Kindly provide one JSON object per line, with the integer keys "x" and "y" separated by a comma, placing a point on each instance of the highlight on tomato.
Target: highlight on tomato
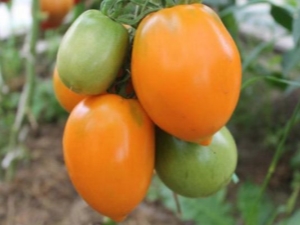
{"x": 192, "y": 170}
{"x": 186, "y": 71}
{"x": 66, "y": 98}
{"x": 55, "y": 11}
{"x": 109, "y": 152}
{"x": 92, "y": 52}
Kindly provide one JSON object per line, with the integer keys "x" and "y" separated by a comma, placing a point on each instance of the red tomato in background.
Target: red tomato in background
{"x": 56, "y": 10}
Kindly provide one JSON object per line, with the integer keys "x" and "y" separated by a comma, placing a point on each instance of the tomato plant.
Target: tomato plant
{"x": 193, "y": 170}
{"x": 56, "y": 10}
{"x": 91, "y": 53}
{"x": 109, "y": 153}
{"x": 186, "y": 71}
{"x": 66, "y": 98}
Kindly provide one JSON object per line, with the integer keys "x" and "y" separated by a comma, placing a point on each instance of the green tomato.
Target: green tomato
{"x": 192, "y": 170}
{"x": 91, "y": 53}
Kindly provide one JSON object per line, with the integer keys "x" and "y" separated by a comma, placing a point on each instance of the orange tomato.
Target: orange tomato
{"x": 56, "y": 10}
{"x": 186, "y": 71}
{"x": 66, "y": 98}
{"x": 109, "y": 153}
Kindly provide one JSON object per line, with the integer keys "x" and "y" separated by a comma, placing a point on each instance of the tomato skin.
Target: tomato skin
{"x": 186, "y": 71}
{"x": 56, "y": 11}
{"x": 109, "y": 153}
{"x": 192, "y": 170}
{"x": 95, "y": 46}
{"x": 66, "y": 98}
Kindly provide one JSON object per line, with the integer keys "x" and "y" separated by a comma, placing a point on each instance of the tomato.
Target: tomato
{"x": 56, "y": 10}
{"x": 76, "y": 1}
{"x": 66, "y": 98}
{"x": 91, "y": 53}
{"x": 186, "y": 71}
{"x": 109, "y": 153}
{"x": 192, "y": 170}
{"x": 4, "y": 0}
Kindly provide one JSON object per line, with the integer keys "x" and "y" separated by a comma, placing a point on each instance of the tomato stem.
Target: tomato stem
{"x": 28, "y": 91}
{"x": 278, "y": 153}
{"x": 235, "y": 178}
{"x": 178, "y": 207}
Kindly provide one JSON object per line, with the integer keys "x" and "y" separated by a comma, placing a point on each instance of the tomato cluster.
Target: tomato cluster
{"x": 186, "y": 73}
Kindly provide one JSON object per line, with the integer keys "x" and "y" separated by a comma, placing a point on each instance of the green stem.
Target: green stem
{"x": 188, "y": 2}
{"x": 177, "y": 203}
{"x": 291, "y": 202}
{"x": 27, "y": 93}
{"x": 280, "y": 148}
{"x": 293, "y": 198}
{"x": 2, "y": 79}
{"x": 272, "y": 78}
{"x": 278, "y": 153}
{"x": 108, "y": 221}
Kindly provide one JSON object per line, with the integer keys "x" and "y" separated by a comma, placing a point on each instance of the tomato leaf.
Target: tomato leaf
{"x": 295, "y": 161}
{"x": 291, "y": 59}
{"x": 293, "y": 220}
{"x": 253, "y": 55}
{"x": 231, "y": 24}
{"x": 282, "y": 15}
{"x": 198, "y": 210}
{"x": 277, "y": 80}
{"x": 254, "y": 211}
{"x": 296, "y": 28}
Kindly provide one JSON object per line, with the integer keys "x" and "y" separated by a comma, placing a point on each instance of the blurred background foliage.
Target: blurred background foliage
{"x": 265, "y": 123}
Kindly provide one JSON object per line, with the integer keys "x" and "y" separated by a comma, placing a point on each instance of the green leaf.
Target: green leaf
{"x": 295, "y": 161}
{"x": 254, "y": 210}
{"x": 283, "y": 16}
{"x": 277, "y": 80}
{"x": 293, "y": 220}
{"x": 296, "y": 28}
{"x": 290, "y": 60}
{"x": 253, "y": 55}
{"x": 209, "y": 211}
{"x": 231, "y": 24}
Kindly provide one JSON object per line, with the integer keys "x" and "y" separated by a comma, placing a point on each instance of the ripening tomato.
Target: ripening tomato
{"x": 192, "y": 170}
{"x": 4, "y": 1}
{"x": 76, "y": 1}
{"x": 109, "y": 153}
{"x": 56, "y": 10}
{"x": 66, "y": 98}
{"x": 91, "y": 53}
{"x": 186, "y": 71}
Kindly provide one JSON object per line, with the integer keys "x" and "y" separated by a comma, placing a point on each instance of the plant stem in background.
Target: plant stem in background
{"x": 178, "y": 207}
{"x": 278, "y": 153}
{"x": 28, "y": 91}
{"x": 280, "y": 148}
